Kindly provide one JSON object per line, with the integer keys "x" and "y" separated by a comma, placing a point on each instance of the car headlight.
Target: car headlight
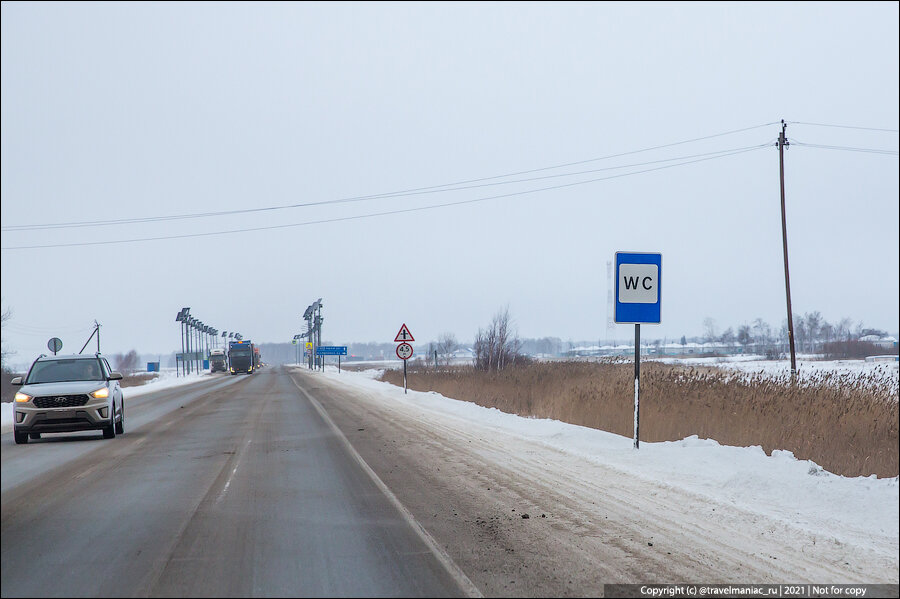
{"x": 101, "y": 393}
{"x": 22, "y": 397}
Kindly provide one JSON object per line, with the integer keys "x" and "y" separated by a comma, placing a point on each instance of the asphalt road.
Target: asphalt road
{"x": 308, "y": 484}
{"x": 232, "y": 487}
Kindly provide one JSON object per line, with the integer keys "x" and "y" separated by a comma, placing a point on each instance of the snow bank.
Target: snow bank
{"x": 862, "y": 510}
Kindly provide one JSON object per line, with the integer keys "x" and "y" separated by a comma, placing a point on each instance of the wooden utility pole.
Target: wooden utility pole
{"x": 782, "y": 142}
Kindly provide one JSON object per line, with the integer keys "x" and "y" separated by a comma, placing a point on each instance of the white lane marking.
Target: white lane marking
{"x": 445, "y": 560}
{"x": 231, "y": 476}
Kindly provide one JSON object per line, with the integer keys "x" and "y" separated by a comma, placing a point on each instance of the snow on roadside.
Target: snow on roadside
{"x": 167, "y": 378}
{"x": 862, "y": 510}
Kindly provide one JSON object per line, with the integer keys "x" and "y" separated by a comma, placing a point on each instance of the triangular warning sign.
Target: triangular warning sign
{"x": 403, "y": 335}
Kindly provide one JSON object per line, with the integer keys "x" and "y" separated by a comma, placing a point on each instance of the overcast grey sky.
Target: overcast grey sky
{"x": 115, "y": 111}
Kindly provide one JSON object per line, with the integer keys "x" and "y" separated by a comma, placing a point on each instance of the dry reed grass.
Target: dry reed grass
{"x": 846, "y": 424}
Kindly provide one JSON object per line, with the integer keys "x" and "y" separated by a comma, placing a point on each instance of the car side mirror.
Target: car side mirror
{"x": 115, "y": 376}
{"x": 16, "y": 381}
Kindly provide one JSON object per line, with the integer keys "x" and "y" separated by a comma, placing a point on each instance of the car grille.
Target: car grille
{"x": 61, "y": 401}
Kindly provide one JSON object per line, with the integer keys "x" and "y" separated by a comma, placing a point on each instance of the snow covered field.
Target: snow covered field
{"x": 805, "y": 365}
{"x": 807, "y": 368}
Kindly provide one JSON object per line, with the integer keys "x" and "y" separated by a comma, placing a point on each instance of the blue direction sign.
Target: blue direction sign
{"x": 331, "y": 350}
{"x": 638, "y": 288}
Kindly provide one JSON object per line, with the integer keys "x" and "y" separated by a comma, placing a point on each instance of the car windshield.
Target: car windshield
{"x": 241, "y": 351}
{"x": 55, "y": 371}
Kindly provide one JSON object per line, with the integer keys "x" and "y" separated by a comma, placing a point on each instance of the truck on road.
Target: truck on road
{"x": 241, "y": 357}
{"x": 218, "y": 361}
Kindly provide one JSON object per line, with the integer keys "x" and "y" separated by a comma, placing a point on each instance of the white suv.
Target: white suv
{"x": 62, "y": 394}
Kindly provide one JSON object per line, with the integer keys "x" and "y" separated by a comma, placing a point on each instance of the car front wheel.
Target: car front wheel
{"x": 21, "y": 438}
{"x": 120, "y": 426}
{"x": 109, "y": 432}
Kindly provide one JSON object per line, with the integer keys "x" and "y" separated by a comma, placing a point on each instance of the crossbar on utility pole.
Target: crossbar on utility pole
{"x": 782, "y": 142}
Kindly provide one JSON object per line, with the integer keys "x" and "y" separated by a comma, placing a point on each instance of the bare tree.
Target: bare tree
{"x": 5, "y": 353}
{"x": 497, "y": 346}
{"x": 446, "y": 345}
{"x": 728, "y": 336}
{"x": 127, "y": 363}
{"x": 485, "y": 347}
{"x": 842, "y": 331}
{"x": 762, "y": 332}
{"x": 814, "y": 322}
{"x": 801, "y": 331}
{"x": 710, "y": 330}
{"x": 503, "y": 333}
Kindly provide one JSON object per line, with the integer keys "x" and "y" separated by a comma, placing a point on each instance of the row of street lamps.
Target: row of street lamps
{"x": 196, "y": 339}
{"x": 313, "y": 318}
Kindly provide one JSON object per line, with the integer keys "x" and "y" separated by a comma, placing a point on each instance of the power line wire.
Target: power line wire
{"x": 41, "y": 331}
{"x": 846, "y": 148}
{"x": 386, "y": 213}
{"x": 19, "y": 228}
{"x": 842, "y": 126}
{"x": 375, "y": 196}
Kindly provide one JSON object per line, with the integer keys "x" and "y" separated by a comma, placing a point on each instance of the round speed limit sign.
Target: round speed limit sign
{"x": 55, "y": 344}
{"x": 404, "y": 351}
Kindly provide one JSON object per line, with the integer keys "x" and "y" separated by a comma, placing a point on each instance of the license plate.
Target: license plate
{"x": 61, "y": 414}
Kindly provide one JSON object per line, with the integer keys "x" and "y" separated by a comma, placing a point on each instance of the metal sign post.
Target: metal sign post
{"x": 331, "y": 350}
{"x": 404, "y": 352}
{"x": 54, "y": 345}
{"x": 637, "y": 385}
{"x": 638, "y": 300}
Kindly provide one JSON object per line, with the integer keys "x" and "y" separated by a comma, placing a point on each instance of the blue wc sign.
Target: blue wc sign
{"x": 638, "y": 288}
{"x": 638, "y": 301}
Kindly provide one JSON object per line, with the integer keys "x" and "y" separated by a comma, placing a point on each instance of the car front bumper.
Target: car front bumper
{"x": 31, "y": 419}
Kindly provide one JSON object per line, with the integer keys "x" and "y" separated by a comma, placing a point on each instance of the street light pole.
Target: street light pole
{"x": 181, "y": 326}
{"x": 321, "y": 359}
{"x": 192, "y": 332}
{"x": 198, "y": 330}
{"x": 180, "y": 318}
{"x": 187, "y": 355}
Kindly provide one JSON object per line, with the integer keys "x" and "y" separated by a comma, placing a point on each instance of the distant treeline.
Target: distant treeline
{"x": 498, "y": 343}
